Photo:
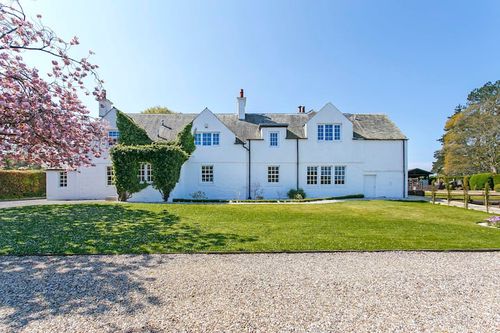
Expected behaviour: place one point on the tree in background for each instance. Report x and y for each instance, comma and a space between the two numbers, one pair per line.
42, 120
157, 110
470, 143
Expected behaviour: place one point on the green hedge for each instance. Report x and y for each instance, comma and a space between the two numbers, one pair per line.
478, 181
17, 184
496, 180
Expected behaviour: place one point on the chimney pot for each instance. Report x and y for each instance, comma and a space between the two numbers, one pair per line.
242, 101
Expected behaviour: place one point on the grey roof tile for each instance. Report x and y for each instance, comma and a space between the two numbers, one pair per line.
167, 126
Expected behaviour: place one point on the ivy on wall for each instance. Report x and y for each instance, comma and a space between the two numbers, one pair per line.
130, 133
135, 147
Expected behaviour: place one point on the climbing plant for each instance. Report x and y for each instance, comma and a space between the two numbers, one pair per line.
130, 133
135, 147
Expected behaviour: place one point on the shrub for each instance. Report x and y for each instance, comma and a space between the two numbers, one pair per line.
296, 194
16, 184
497, 188
496, 180
478, 181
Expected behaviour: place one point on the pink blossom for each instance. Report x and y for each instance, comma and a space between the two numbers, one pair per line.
42, 120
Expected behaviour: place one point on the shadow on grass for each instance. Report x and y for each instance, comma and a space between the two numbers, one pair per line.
102, 229
37, 288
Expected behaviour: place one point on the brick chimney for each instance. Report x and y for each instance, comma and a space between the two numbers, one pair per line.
104, 105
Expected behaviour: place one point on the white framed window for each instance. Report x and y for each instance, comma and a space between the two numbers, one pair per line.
273, 174
336, 132
109, 176
339, 175
63, 179
197, 139
207, 139
312, 175
326, 175
113, 137
329, 132
145, 173
321, 132
207, 173
215, 139
273, 139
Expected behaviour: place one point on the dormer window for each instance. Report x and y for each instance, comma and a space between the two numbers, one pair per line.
273, 139
207, 139
328, 132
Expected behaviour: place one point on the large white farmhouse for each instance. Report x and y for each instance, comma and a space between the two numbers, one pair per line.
247, 155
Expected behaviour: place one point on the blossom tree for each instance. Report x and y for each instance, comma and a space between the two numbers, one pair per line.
42, 119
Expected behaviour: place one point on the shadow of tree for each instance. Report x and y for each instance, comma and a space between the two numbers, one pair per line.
103, 229
36, 288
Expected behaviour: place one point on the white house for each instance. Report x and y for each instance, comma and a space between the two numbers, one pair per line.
247, 155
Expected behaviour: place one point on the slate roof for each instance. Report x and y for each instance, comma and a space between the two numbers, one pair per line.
167, 126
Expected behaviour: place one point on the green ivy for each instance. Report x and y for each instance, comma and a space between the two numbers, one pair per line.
130, 133
166, 159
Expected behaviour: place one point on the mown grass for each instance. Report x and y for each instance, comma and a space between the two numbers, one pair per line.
163, 228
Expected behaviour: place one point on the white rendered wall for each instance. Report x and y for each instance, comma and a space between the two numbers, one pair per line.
85, 183
382, 158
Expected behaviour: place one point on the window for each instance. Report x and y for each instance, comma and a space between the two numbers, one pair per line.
63, 179
215, 139
340, 175
273, 174
326, 175
113, 137
321, 132
312, 175
145, 173
273, 139
207, 139
328, 132
109, 176
197, 139
336, 132
207, 173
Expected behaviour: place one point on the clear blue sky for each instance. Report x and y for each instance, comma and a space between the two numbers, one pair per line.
412, 60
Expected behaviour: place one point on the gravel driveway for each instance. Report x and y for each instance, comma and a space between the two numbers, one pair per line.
330, 292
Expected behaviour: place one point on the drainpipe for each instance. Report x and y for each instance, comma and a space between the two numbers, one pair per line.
249, 169
297, 140
249, 174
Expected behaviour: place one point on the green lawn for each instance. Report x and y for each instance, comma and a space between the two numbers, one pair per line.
162, 228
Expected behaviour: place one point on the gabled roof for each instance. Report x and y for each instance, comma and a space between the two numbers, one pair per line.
167, 126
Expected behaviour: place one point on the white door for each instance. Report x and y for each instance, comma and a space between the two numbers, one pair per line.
370, 186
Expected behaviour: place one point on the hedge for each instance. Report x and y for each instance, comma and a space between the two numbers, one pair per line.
477, 181
496, 180
17, 184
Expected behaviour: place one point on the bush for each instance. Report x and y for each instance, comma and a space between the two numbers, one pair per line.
496, 180
497, 188
297, 194
16, 184
478, 181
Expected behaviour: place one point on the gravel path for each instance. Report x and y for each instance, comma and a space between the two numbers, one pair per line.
330, 292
